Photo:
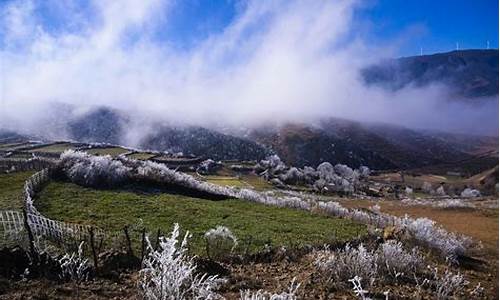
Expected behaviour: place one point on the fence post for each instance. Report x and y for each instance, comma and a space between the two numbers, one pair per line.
143, 244
30, 237
92, 246
129, 243
157, 239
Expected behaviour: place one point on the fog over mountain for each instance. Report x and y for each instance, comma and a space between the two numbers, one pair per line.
276, 61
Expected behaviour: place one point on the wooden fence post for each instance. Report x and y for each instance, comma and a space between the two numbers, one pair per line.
157, 239
30, 237
129, 243
92, 246
143, 244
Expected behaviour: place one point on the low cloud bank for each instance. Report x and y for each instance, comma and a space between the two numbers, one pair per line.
275, 61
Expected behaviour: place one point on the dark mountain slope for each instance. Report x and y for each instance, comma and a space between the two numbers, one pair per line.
375, 145
469, 73
200, 141
102, 125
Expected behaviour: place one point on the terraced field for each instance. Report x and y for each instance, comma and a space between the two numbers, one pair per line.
54, 148
113, 151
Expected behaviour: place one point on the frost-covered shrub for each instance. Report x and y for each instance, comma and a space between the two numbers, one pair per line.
263, 295
89, 170
448, 284
326, 172
208, 167
396, 261
426, 231
364, 171
320, 185
310, 175
340, 266
345, 172
332, 208
375, 209
453, 203
272, 164
470, 193
74, 266
427, 188
220, 242
168, 273
358, 288
408, 190
293, 176
440, 191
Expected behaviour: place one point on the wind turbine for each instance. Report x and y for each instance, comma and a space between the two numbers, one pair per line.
457, 47
421, 51
488, 45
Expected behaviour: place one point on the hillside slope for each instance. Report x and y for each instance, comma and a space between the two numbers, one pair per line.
469, 73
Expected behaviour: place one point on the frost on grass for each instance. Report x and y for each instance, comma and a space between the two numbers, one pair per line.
470, 193
168, 273
263, 295
389, 261
425, 231
448, 284
75, 266
341, 266
358, 288
220, 242
396, 262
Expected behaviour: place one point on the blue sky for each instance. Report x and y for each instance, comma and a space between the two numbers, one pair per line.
436, 26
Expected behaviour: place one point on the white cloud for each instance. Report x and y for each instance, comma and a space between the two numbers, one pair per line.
277, 60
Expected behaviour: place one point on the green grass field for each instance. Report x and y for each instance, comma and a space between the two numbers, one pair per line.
11, 190
54, 148
113, 209
226, 181
113, 151
13, 146
141, 155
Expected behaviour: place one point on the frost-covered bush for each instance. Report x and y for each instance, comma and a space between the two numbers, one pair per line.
345, 172
340, 266
332, 208
292, 176
320, 185
263, 295
440, 191
89, 170
470, 193
147, 170
75, 266
408, 190
453, 203
310, 174
427, 188
220, 242
358, 288
326, 172
364, 171
208, 167
168, 273
272, 164
449, 284
396, 261
426, 231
